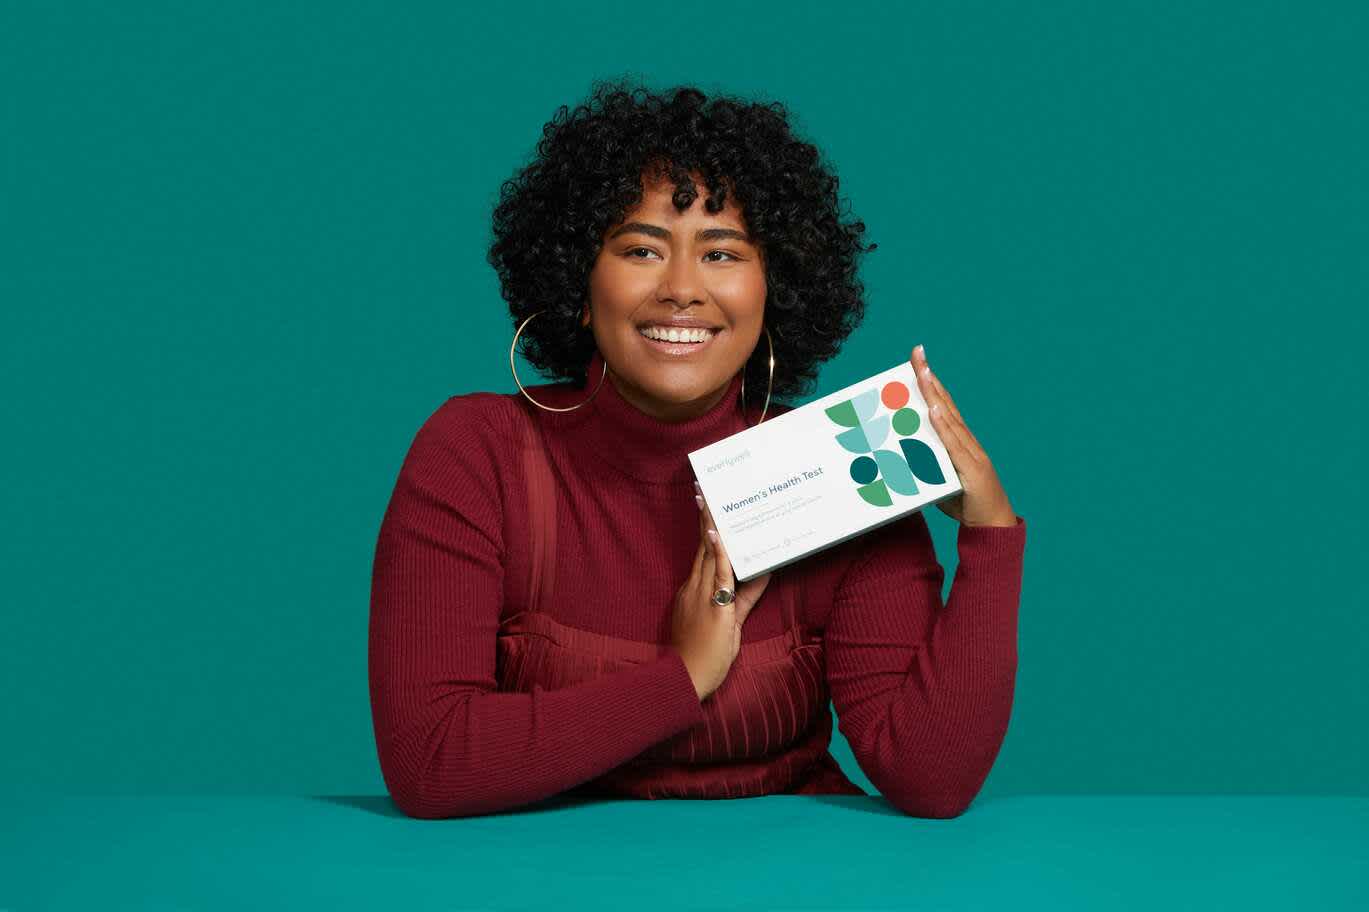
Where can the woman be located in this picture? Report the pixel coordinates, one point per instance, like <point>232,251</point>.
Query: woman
<point>551,611</point>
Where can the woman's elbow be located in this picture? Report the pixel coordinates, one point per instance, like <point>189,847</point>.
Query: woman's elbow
<point>930,807</point>
<point>406,793</point>
<point>412,800</point>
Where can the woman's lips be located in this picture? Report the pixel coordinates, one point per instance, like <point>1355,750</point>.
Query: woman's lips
<point>679,349</point>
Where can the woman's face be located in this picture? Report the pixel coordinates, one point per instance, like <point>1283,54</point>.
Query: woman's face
<point>659,264</point>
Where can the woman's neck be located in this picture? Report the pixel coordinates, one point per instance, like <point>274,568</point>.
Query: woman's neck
<point>613,432</point>
<point>665,411</point>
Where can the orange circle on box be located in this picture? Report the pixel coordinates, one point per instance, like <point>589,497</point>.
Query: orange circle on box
<point>894,395</point>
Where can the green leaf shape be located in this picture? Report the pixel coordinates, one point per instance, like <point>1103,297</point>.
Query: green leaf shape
<point>876,494</point>
<point>860,407</point>
<point>921,460</point>
<point>843,413</point>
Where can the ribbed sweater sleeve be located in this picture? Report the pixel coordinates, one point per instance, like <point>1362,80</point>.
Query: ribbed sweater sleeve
<point>923,692</point>
<point>449,744</point>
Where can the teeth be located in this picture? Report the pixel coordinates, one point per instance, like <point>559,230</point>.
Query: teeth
<point>676,335</point>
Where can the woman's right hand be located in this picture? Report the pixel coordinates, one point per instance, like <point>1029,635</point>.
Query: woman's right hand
<point>708,636</point>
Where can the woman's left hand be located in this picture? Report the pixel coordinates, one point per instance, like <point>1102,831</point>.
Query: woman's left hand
<point>983,502</point>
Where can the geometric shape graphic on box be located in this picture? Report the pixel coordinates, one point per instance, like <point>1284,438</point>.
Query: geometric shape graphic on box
<point>894,395</point>
<point>922,461</point>
<point>864,470</point>
<point>819,474</point>
<point>865,438</point>
<point>896,473</point>
<point>876,494</point>
<point>853,411</point>
<point>906,422</point>
<point>866,434</point>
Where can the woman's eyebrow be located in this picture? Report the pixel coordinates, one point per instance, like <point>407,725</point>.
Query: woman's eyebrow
<point>703,234</point>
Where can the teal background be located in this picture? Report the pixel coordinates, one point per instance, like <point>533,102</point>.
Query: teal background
<point>786,852</point>
<point>243,259</point>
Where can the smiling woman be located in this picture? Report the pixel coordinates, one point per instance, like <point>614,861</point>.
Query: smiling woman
<point>674,204</point>
<point>676,301</point>
<point>551,611</point>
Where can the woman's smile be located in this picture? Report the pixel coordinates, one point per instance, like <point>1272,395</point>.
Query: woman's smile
<point>677,343</point>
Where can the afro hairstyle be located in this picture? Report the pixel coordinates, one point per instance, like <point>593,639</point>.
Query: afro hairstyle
<point>588,172</point>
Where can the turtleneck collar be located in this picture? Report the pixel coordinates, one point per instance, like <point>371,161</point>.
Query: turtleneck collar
<point>610,429</point>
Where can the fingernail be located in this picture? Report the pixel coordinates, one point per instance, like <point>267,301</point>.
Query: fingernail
<point>712,535</point>
<point>926,373</point>
<point>699,500</point>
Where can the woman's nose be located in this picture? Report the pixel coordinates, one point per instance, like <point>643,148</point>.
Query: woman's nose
<point>683,281</point>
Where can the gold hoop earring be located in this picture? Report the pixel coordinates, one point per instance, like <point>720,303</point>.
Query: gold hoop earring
<point>770,387</point>
<point>514,369</point>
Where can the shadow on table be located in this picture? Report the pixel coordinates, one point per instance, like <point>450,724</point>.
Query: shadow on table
<point>383,806</point>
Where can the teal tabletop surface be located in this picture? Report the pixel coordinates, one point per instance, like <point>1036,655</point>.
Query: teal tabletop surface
<point>775,852</point>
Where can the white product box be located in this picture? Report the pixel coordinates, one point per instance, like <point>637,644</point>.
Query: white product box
<point>813,477</point>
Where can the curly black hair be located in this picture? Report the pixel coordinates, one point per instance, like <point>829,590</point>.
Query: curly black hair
<point>588,172</point>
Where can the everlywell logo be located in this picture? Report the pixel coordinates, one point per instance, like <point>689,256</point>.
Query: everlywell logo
<point>880,473</point>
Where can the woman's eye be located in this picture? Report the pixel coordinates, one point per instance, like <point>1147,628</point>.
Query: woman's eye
<point>632,252</point>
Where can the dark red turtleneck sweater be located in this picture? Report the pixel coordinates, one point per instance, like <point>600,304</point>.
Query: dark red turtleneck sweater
<point>521,606</point>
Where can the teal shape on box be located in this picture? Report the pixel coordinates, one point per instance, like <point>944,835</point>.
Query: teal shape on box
<point>854,441</point>
<point>921,460</point>
<point>866,437</point>
<point>896,473</point>
<point>876,430</point>
<point>866,403</point>
<point>864,470</point>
